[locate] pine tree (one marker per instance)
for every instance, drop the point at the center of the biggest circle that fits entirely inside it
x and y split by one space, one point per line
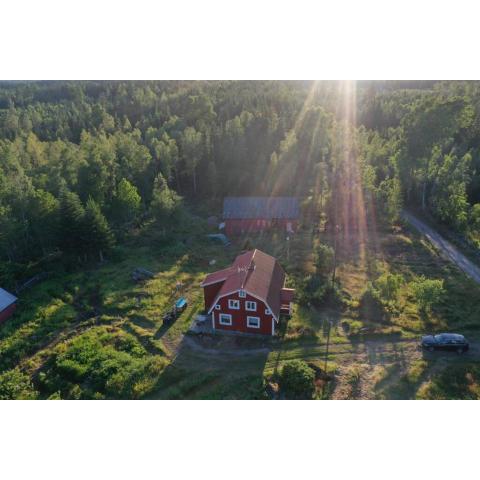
43 217
99 237
72 213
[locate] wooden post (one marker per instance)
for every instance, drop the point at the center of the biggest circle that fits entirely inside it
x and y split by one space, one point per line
337 228
328 343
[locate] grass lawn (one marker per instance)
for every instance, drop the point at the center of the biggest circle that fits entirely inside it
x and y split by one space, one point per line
95 333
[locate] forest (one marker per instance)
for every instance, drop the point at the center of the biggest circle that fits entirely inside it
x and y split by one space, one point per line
81 163
98 178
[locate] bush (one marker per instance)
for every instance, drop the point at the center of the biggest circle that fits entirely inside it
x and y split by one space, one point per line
297 380
15 385
388 285
427 292
385 288
316 290
324 256
101 364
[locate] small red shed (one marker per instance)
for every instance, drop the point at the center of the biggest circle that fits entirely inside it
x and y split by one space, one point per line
8 303
254 214
248 296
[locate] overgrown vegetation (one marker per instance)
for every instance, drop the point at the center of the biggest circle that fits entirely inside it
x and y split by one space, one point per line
297 380
428 292
100 364
98 178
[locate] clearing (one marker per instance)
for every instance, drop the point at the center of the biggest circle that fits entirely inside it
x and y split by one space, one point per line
97 334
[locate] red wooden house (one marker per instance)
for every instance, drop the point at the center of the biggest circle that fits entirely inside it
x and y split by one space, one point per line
8 303
248 296
254 214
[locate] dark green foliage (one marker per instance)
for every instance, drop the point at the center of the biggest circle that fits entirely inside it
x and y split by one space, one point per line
104 364
324 255
416 144
78 158
71 226
98 236
311 289
44 210
297 380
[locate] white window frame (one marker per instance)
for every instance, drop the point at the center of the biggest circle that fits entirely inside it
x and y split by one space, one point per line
249 302
221 320
268 311
217 307
242 293
232 302
253 326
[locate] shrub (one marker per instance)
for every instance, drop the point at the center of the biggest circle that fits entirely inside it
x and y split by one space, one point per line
427 292
101 364
388 285
297 380
316 290
324 256
385 288
16 385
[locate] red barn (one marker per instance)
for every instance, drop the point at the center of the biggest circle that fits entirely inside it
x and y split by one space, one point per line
254 214
248 296
8 303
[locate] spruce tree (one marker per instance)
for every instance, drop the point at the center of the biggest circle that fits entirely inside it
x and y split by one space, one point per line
99 237
72 213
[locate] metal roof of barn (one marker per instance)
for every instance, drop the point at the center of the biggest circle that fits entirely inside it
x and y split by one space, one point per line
6 299
260 207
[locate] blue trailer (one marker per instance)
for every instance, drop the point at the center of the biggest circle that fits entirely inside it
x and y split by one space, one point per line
181 304
178 307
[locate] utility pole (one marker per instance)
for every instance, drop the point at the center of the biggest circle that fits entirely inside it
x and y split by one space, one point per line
326 355
335 234
328 344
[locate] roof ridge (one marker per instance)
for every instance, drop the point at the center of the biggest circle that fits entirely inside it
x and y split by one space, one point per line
248 269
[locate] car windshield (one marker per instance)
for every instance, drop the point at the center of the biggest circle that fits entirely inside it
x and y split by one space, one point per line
449 337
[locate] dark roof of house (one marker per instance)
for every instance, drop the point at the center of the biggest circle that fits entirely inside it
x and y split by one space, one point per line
6 299
260 207
255 272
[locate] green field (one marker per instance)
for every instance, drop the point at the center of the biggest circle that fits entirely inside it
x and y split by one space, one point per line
95 333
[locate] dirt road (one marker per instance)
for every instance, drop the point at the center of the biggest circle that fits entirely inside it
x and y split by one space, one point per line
444 246
377 368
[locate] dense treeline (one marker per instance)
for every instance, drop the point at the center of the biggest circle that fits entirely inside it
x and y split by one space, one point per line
434 136
81 162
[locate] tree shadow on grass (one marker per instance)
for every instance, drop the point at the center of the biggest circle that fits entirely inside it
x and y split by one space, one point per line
214 367
404 376
82 292
142 321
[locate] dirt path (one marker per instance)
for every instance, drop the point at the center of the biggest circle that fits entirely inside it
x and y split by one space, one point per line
444 246
378 368
374 351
